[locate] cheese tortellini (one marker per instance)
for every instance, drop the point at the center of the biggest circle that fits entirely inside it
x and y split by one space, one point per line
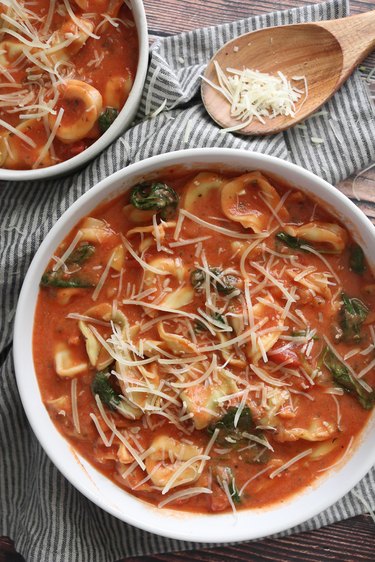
167 458
82 105
247 199
321 235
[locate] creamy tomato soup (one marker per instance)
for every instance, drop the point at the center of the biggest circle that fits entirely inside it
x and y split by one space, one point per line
67 68
207 341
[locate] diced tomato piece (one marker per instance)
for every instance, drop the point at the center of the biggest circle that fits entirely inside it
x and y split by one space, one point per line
77 148
286 355
218 498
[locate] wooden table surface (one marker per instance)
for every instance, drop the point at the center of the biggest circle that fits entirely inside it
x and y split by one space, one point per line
347 541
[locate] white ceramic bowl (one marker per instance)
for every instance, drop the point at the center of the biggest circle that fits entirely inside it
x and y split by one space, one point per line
249 524
121 123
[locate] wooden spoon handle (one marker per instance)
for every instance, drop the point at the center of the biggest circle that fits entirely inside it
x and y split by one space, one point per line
356 35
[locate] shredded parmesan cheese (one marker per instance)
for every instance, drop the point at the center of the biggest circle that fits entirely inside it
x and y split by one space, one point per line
262 374
256 95
188 242
253 478
18 133
141 262
187 493
102 279
114 429
75 406
222 230
103 437
181 470
68 251
290 462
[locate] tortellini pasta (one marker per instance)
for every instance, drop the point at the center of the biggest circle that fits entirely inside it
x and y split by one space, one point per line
179 298
200 187
10 51
246 199
172 266
65 364
149 234
266 340
97 354
95 230
276 401
317 431
20 155
174 299
118 257
316 281
177 344
117 90
321 235
60 50
167 457
202 400
82 106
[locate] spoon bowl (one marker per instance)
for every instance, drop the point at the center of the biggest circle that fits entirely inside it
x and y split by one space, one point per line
325 53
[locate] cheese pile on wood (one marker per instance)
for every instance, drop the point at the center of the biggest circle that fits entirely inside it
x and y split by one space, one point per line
253 94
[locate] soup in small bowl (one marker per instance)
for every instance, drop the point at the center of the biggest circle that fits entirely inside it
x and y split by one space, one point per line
200 331
72 78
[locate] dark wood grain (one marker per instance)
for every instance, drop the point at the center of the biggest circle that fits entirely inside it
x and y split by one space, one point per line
352 540
7 552
184 15
176 16
339 542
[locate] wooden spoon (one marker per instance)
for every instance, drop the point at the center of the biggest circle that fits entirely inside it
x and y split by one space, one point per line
326 53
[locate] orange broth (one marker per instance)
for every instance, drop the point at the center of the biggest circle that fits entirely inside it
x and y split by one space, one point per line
302 420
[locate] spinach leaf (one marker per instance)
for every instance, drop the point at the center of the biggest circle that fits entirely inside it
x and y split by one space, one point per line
55 279
156 196
108 395
229 434
81 254
291 241
302 334
218 317
351 317
345 380
232 486
101 386
227 284
107 118
200 327
239 436
357 259
197 278
295 243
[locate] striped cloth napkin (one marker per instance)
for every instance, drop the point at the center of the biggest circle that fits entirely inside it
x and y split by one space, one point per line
48 519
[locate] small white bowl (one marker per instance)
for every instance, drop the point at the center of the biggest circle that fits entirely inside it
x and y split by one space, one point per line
249 524
120 124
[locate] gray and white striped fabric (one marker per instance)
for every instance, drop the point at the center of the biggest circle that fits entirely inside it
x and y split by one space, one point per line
48 519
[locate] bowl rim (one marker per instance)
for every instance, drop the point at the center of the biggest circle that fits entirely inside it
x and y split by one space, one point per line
122 122
159 521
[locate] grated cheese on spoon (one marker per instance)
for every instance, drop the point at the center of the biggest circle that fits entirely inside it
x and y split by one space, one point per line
254 94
